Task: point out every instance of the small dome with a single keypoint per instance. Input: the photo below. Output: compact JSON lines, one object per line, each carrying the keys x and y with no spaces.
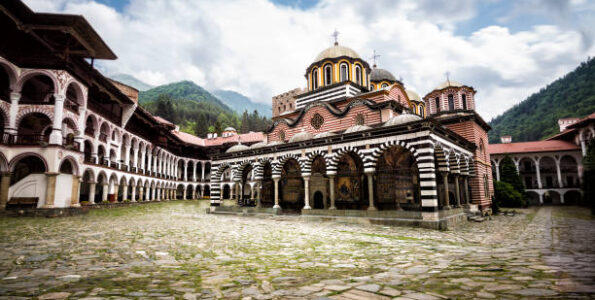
{"x":377,"y":75}
{"x":229,"y":129}
{"x":323,"y":135}
{"x":237,"y":148}
{"x":413,"y":96}
{"x":336,"y":51}
{"x":275,"y":143}
{"x":403,"y":118}
{"x":448,"y":83}
{"x":300,"y":137}
{"x":258,"y":145}
{"x":356,"y":128}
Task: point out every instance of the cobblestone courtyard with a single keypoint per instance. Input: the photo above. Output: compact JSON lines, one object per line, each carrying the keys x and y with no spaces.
{"x":174,"y":250}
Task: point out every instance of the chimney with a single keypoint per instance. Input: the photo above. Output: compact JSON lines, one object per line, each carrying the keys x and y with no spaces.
{"x":565,"y":122}
{"x":507,"y":139}
{"x":209,"y":135}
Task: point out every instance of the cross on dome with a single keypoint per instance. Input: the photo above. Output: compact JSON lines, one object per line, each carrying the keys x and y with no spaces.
{"x":374,"y":57}
{"x":336,"y":36}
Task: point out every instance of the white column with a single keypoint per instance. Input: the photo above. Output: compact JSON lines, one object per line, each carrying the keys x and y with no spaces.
{"x":92,"y":192}
{"x":134,"y":159}
{"x":56,"y":135}
{"x":446,"y":195}
{"x":194,"y":163}
{"x":560,"y":184}
{"x":105,"y":191}
{"x":538,"y":172}
{"x":133,"y":197}
{"x":126,"y":159}
{"x":497,"y":170}
{"x":583,"y":147}
{"x":185,"y":170}
{"x":331,"y":181}
{"x":143,"y":152}
{"x":202,"y":175}
{"x":307,"y":193}
{"x":124,"y":192}
{"x":371,"y":191}
{"x":276,"y":181}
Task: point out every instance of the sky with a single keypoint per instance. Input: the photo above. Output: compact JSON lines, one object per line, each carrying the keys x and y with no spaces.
{"x":506,"y":50}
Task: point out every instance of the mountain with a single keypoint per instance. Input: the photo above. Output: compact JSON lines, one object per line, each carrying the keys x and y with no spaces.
{"x":183,"y":90}
{"x":131,"y":81}
{"x":536,"y":117}
{"x":240,"y":103}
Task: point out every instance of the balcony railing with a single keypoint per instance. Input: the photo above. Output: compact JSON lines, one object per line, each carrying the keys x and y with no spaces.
{"x":24,"y":139}
{"x":71,"y":106}
{"x":37,"y":99}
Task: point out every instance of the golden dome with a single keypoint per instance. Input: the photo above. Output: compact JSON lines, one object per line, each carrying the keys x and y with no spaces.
{"x":413,"y":96}
{"x":448,"y":83}
{"x":336,"y":51}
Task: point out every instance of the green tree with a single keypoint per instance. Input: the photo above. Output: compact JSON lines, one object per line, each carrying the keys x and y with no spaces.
{"x":505,"y":195}
{"x":245,"y":123}
{"x":510,"y":175}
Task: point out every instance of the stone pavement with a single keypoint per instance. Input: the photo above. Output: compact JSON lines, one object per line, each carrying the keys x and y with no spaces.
{"x":175,"y":251}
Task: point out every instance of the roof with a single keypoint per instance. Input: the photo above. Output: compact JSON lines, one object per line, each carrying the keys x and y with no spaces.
{"x":189,"y":138}
{"x":413,"y":96}
{"x":448,"y":83}
{"x":582,"y":121}
{"x":229,"y":129}
{"x":162,"y":120}
{"x":378,"y":75}
{"x":250,"y":137}
{"x":537,"y":146}
{"x":336,"y":51}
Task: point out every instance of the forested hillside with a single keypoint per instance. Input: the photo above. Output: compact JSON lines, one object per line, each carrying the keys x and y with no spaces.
{"x":537,"y":116}
{"x":196,"y":110}
{"x":240,"y":103}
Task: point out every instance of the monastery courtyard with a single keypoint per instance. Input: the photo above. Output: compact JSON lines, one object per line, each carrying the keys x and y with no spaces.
{"x":173,"y":250}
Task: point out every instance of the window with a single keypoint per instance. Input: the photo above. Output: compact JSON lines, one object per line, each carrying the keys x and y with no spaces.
{"x":358,"y":75}
{"x":384,"y":85}
{"x":360,"y":119}
{"x":464,"y":97}
{"x":317,"y":121}
{"x":282,"y":135}
{"x":421,"y":111}
{"x":372,"y":87}
{"x":328,"y":74}
{"x":315,"y":79}
{"x":344,"y":72}
{"x":451,"y":102}
{"x":437,"y":104}
{"x":486,"y":185}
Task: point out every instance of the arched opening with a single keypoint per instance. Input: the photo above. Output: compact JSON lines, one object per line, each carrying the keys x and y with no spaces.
{"x":267,"y":197}
{"x":464,"y":100}
{"x":397,"y":180}
{"x":180,"y":192}
{"x":451,"y":102}
{"x":494,"y":168}
{"x":69,"y":131}
{"x":38,"y":89}
{"x":527,"y":172}
{"x":2,"y":122}
{"x":315,"y":79}
{"x":207,"y":171}
{"x":291,"y":186}
{"x":66,"y":167}
{"x":26,"y":166}
{"x":207,"y":192}
{"x":123,"y":186}
{"x":189,"y":192}
{"x":226,"y":194}
{"x":85,"y":188}
{"x":437,"y":104}
{"x":199,"y":171}
{"x":34,"y":128}
{"x":569,"y":172}
{"x":328,"y":74}
{"x":101,"y":155}
{"x":358,"y":75}
{"x":551,"y":197}
{"x":101,"y":189}
{"x":318,"y":183}
{"x":139,"y":186}
{"x":349,"y":188}
{"x":74,"y":98}
{"x":90,"y":126}
{"x":190,"y":171}
{"x":572,"y":198}
{"x":4,"y":84}
{"x":104,"y":132}
{"x":180,"y":170}
{"x":548,"y":172}
{"x":344,"y":72}
{"x":533,"y":198}
{"x":247,"y":182}
{"x":113,"y":158}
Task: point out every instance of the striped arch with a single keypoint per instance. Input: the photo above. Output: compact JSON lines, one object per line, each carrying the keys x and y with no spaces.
{"x":32,"y":110}
{"x":309,"y":159}
{"x":472,"y":169}
{"x":4,"y":111}
{"x":279,"y":166}
{"x":377,"y":153}
{"x":258,"y":169}
{"x":334,"y":160}
{"x":28,"y":74}
{"x":441,"y":158}
{"x":464,"y":165}
{"x":453,"y":162}
{"x":240,"y":169}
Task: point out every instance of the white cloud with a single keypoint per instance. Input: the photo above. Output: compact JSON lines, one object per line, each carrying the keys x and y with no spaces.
{"x":261,"y":49}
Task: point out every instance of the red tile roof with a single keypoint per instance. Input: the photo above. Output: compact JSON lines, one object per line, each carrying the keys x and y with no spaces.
{"x":251,"y":137}
{"x":537,"y":146}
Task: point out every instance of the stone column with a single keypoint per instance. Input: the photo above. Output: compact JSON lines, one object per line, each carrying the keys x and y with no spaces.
{"x":124,"y":192}
{"x":538,"y":172}
{"x":307,"y":193}
{"x":498,"y":170}
{"x":133,"y":196}
{"x":134,"y":162}
{"x":276,"y":181}
{"x":583,"y":147}
{"x":202,"y":171}
{"x":185,"y":170}
{"x":466,"y":187}
{"x":4,"y":186}
{"x":91,"y":192}
{"x":104,"y":192}
{"x":74,"y":197}
{"x":331,"y":181}
{"x":371,"y":191}
{"x":259,"y":193}
{"x":56,"y":135}
{"x":12,"y":116}
{"x":446,"y":196}
{"x":252,"y":193}
{"x":184,"y":194}
{"x":116,"y":191}
{"x":560,"y":184}
{"x":239,"y":191}
{"x":457,"y":191}
{"x":50,"y":193}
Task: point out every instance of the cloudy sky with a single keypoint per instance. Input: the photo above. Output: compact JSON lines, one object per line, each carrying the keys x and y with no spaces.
{"x":505,"y":49}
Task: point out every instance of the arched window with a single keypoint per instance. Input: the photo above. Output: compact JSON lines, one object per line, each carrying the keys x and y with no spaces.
{"x":384,"y":85}
{"x":315,"y":79}
{"x":344,"y":72}
{"x":451,"y":102}
{"x":358,"y":75}
{"x":437,"y":104}
{"x":486,"y":185}
{"x":372,"y":87}
{"x":464,"y":97}
{"x":421,"y":111}
{"x":328,"y":74}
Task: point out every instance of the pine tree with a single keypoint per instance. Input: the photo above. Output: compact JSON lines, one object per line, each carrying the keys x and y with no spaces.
{"x":245,"y":123}
{"x":509,"y":174}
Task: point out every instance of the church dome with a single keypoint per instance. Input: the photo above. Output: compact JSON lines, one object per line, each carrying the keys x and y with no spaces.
{"x":258,"y":145}
{"x":336,"y":51}
{"x":377,"y":75}
{"x":403,"y":118}
{"x":448,"y":83}
{"x":229,"y":129}
{"x":323,"y":135}
{"x":237,"y":148}
{"x":300,"y":137}
{"x":356,"y":128}
{"x":413,"y":96}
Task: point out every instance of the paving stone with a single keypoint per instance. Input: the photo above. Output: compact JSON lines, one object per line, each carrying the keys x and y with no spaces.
{"x":369,"y":288}
{"x":53,"y":296}
{"x":534,"y":292}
